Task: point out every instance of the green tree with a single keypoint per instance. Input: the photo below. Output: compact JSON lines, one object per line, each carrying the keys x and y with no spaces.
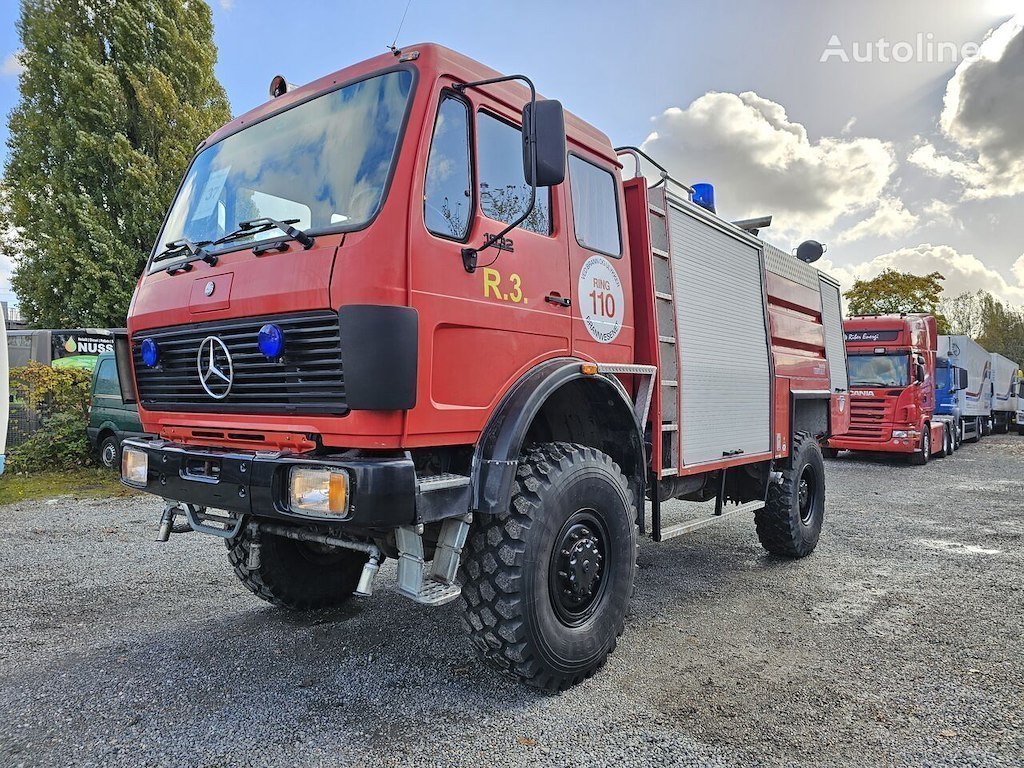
{"x":1002,"y":329}
{"x":893,"y":292}
{"x":115,"y":95}
{"x":965,"y":313}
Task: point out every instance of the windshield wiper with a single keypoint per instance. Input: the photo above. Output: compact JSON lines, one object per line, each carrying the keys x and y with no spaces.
{"x":183,"y":245}
{"x":259,"y":226}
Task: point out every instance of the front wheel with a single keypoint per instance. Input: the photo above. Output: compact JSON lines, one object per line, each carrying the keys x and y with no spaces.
{"x":294,"y":574}
{"x":110,"y":452}
{"x":790,"y":522}
{"x":920,"y":458}
{"x":547,"y":582}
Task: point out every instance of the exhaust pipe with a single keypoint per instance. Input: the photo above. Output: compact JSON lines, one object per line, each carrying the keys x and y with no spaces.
{"x":365,"y":587}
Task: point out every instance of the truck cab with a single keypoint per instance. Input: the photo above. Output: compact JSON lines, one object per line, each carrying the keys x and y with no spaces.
{"x":892,"y":365}
{"x":950,"y":379}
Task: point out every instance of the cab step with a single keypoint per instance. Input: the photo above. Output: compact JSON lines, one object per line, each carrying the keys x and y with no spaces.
{"x":441,"y":482}
{"x":434,"y":582}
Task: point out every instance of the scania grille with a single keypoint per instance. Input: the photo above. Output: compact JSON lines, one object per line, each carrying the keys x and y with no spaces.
{"x":870,"y":419}
{"x":308,"y":379}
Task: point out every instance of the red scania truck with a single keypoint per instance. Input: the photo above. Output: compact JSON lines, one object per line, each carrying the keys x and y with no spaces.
{"x":412,"y":311}
{"x":892,"y":388}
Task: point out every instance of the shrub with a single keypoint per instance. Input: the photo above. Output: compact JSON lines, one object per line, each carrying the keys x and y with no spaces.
{"x":59,"y":444}
{"x":60,"y":397}
{"x":52,"y":390}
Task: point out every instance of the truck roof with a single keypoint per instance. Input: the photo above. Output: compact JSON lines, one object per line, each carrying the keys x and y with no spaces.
{"x":905,"y":330}
{"x":432,"y":58}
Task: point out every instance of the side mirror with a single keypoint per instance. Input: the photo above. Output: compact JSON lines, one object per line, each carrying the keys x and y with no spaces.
{"x":961,"y":375}
{"x":919,"y":373}
{"x":544,"y":139}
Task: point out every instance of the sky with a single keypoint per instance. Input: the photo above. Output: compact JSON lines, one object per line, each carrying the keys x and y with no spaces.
{"x":890,"y":131}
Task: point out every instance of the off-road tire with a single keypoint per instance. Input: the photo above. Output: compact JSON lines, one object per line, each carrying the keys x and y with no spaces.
{"x":296,"y":575}
{"x":920,"y":458}
{"x":512,"y":599}
{"x":110,"y":452}
{"x":784,"y":526}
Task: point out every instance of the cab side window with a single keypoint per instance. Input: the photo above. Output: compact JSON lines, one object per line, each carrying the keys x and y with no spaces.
{"x":595,"y":212}
{"x":504,"y":193}
{"x":448,"y":195}
{"x":106,"y":379}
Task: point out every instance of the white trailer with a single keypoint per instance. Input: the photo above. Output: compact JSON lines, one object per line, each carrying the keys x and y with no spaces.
{"x":1005,"y":375}
{"x":975,"y":400}
{"x":5,"y":392}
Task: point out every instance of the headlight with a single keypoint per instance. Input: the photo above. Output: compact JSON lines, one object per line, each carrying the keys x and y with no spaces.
{"x":320,"y":491}
{"x":899,"y":433}
{"x":134,"y":467}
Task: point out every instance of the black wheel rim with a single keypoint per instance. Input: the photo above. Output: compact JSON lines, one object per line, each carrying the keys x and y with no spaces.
{"x":577,"y":574}
{"x":807,"y":492}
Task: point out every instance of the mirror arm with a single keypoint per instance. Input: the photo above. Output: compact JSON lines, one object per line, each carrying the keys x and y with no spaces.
{"x":469,"y":255}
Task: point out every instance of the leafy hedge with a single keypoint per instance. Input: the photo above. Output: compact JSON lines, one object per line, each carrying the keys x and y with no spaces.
{"x":61,"y":398}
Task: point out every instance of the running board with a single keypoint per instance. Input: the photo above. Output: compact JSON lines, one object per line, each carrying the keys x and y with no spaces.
{"x":694,"y":525}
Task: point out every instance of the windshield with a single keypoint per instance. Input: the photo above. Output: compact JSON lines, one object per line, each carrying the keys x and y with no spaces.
{"x":324,"y":162}
{"x":943,"y":380}
{"x":879,"y":370}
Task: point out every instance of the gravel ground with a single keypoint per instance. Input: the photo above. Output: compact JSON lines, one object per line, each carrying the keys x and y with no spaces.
{"x":896,"y":643}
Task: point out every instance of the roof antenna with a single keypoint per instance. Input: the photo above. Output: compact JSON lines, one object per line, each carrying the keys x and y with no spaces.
{"x":392,"y":48}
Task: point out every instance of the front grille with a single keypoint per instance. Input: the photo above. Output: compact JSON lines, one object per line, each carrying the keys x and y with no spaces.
{"x":870,"y":418}
{"x":309,"y":379}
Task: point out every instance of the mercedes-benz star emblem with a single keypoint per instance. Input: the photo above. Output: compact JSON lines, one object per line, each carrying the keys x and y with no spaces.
{"x":210,"y":286}
{"x":216,"y":373}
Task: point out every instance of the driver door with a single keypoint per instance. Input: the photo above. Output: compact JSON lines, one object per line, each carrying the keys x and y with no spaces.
{"x":480,"y":331}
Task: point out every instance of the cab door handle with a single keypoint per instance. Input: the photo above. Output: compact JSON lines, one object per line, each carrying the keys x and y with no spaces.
{"x":554,"y":298}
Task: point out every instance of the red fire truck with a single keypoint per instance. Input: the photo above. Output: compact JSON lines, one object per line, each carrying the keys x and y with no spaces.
{"x":892,"y":388}
{"x":412,"y":311}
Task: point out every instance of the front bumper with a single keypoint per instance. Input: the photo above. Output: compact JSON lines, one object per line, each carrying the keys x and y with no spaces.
{"x":382,"y":491}
{"x":892,"y":445}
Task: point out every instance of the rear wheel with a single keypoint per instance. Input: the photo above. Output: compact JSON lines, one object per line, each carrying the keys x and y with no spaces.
{"x":947,"y":443}
{"x":976,"y":437}
{"x":297,"y":575}
{"x":920,"y":457}
{"x":546,"y":583}
{"x":790,"y":522}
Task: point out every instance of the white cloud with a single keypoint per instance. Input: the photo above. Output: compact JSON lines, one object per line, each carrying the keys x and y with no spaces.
{"x":963,"y":271}
{"x":12,"y":64}
{"x":890,"y":219}
{"x":983,"y":111}
{"x":849,"y":126}
{"x":762,"y":162}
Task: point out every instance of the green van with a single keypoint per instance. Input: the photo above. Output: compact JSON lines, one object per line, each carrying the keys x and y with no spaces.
{"x":111,"y":420}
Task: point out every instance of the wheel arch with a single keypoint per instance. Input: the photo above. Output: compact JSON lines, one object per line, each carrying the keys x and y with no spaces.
{"x":556,"y":401}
